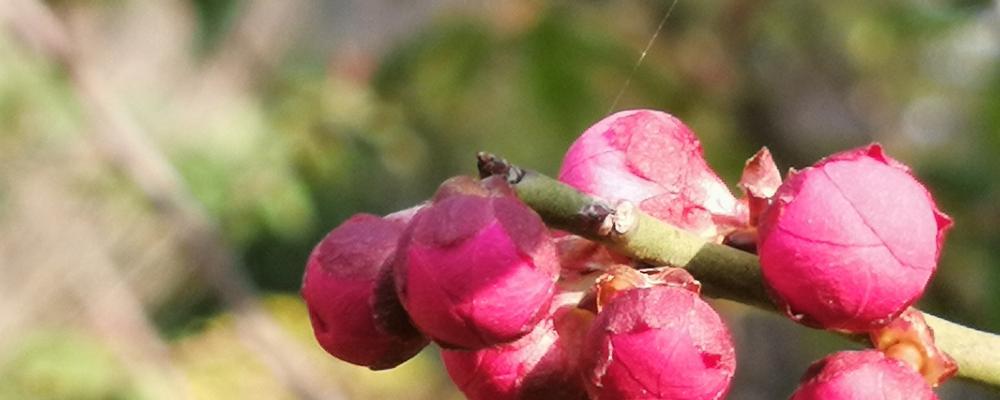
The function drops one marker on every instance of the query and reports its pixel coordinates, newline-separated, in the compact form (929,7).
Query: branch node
(624,217)
(725,271)
(490,164)
(608,221)
(599,217)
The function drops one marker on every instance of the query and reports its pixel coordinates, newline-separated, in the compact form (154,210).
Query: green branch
(724,272)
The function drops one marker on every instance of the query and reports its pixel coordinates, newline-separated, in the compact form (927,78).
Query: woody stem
(724,272)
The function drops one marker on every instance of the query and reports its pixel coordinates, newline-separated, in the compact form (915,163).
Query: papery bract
(653,160)
(851,242)
(620,279)
(353,317)
(862,375)
(583,256)
(910,339)
(661,342)
(543,365)
(476,268)
(759,182)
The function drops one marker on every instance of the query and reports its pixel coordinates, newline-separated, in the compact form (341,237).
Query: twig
(724,272)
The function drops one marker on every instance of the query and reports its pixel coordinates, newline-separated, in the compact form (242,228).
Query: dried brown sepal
(744,239)
(583,256)
(677,277)
(908,338)
(621,278)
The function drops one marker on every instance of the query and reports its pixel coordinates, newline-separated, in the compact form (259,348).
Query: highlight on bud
(476,267)
(661,342)
(862,375)
(652,159)
(354,317)
(850,242)
(541,365)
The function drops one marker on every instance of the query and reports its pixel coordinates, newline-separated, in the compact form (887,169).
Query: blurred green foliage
(63,365)
(214,18)
(220,368)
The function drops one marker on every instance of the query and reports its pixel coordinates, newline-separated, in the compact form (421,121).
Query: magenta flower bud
(542,365)
(652,159)
(862,375)
(662,342)
(348,290)
(850,242)
(476,269)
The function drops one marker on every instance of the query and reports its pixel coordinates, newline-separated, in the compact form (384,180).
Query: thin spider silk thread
(642,56)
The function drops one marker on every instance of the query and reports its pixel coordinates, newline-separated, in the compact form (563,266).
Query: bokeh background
(166,166)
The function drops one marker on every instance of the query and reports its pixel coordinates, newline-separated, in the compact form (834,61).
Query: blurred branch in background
(125,146)
(97,288)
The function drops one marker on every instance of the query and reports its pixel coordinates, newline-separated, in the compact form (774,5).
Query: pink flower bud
(661,342)
(653,160)
(542,365)
(347,287)
(476,269)
(862,375)
(851,242)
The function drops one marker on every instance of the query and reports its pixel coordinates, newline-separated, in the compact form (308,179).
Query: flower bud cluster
(477,272)
(524,312)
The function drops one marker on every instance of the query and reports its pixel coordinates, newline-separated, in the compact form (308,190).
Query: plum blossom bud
(661,342)
(476,268)
(354,317)
(542,365)
(862,375)
(405,215)
(653,160)
(850,242)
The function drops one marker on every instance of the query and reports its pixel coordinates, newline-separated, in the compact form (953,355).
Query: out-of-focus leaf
(63,365)
(221,368)
(214,18)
